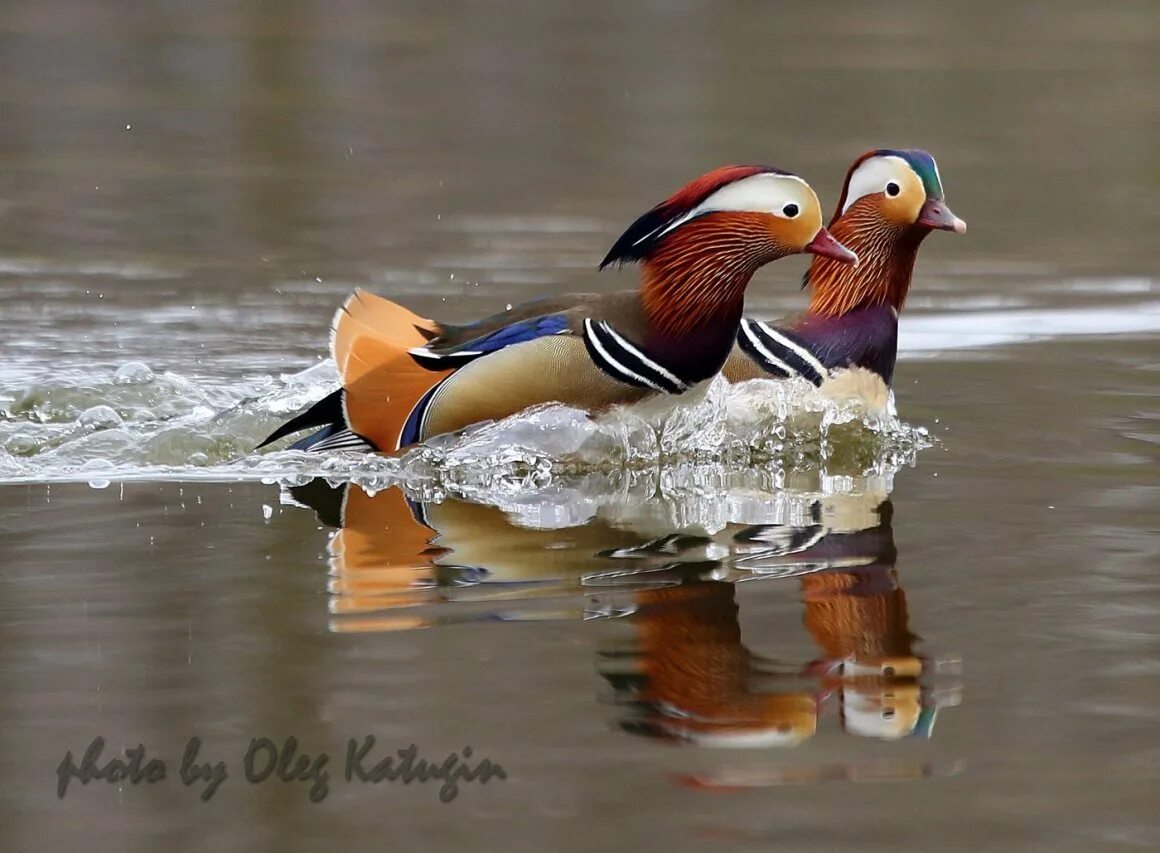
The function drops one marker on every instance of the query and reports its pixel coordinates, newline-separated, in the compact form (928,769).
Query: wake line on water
(133,424)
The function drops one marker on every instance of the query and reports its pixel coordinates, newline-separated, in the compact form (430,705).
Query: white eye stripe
(762,193)
(873,176)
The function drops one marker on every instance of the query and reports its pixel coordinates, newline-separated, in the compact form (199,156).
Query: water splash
(133,423)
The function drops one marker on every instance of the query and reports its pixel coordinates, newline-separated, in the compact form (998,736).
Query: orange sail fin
(371,342)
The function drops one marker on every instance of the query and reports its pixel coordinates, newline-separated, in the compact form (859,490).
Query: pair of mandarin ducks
(406,378)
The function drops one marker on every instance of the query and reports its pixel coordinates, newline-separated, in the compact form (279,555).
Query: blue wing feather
(517,333)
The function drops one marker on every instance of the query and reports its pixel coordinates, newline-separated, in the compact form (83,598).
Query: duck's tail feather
(326,413)
(334,438)
(382,384)
(365,314)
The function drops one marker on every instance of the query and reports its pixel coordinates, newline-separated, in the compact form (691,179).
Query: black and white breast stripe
(623,361)
(772,540)
(779,353)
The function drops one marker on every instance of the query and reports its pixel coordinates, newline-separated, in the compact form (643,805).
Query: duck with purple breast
(846,342)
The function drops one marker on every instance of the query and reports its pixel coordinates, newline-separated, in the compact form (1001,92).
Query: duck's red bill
(825,245)
(935,214)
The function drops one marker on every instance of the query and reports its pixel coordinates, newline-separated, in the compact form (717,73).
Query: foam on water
(133,424)
(94,424)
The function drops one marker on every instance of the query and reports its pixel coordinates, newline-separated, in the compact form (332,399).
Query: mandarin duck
(406,378)
(847,341)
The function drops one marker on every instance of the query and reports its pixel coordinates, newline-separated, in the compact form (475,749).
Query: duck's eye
(790,210)
(892,189)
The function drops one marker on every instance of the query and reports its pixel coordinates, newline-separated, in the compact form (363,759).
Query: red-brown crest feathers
(697,276)
(642,236)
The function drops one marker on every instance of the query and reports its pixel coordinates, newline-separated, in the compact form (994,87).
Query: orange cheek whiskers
(886,254)
(699,275)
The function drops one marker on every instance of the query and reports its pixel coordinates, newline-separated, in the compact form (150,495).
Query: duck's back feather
(406,378)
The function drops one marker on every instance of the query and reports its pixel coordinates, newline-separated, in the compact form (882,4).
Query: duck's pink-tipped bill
(825,245)
(935,214)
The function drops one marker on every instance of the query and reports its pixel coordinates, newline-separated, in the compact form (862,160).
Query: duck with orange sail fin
(406,378)
(847,341)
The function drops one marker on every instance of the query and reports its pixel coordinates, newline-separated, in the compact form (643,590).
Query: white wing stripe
(590,333)
(644,358)
(766,354)
(423,352)
(796,348)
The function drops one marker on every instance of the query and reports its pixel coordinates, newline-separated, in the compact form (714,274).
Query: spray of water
(137,424)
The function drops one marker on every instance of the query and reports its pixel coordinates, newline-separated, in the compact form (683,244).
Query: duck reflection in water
(684,675)
(691,678)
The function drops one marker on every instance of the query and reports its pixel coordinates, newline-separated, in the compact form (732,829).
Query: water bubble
(133,373)
(98,465)
(22,445)
(99,417)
